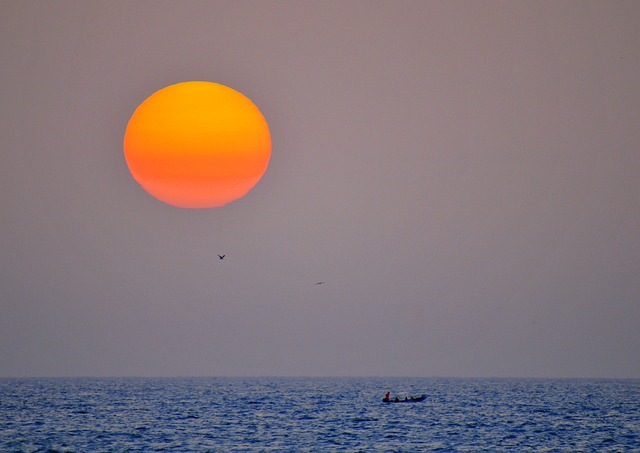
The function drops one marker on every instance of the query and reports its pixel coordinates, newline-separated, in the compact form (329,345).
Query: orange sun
(197,145)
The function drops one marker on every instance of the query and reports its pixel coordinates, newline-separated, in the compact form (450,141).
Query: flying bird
(221,256)
(320,283)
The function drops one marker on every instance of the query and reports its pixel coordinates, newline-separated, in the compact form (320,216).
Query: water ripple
(309,414)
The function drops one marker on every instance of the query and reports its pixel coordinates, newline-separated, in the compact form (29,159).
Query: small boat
(413,399)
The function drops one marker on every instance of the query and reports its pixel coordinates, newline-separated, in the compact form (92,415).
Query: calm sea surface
(317,414)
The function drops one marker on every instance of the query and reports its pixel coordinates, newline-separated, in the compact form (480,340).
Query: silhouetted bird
(221,256)
(320,283)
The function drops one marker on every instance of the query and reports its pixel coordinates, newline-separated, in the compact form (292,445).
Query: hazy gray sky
(464,176)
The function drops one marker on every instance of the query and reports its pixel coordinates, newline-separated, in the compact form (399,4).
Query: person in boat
(397,399)
(386,396)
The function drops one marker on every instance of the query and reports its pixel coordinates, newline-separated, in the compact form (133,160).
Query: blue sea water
(317,414)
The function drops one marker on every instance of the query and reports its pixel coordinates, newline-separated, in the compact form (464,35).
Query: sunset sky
(464,176)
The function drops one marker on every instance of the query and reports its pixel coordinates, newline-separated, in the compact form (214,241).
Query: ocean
(317,415)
